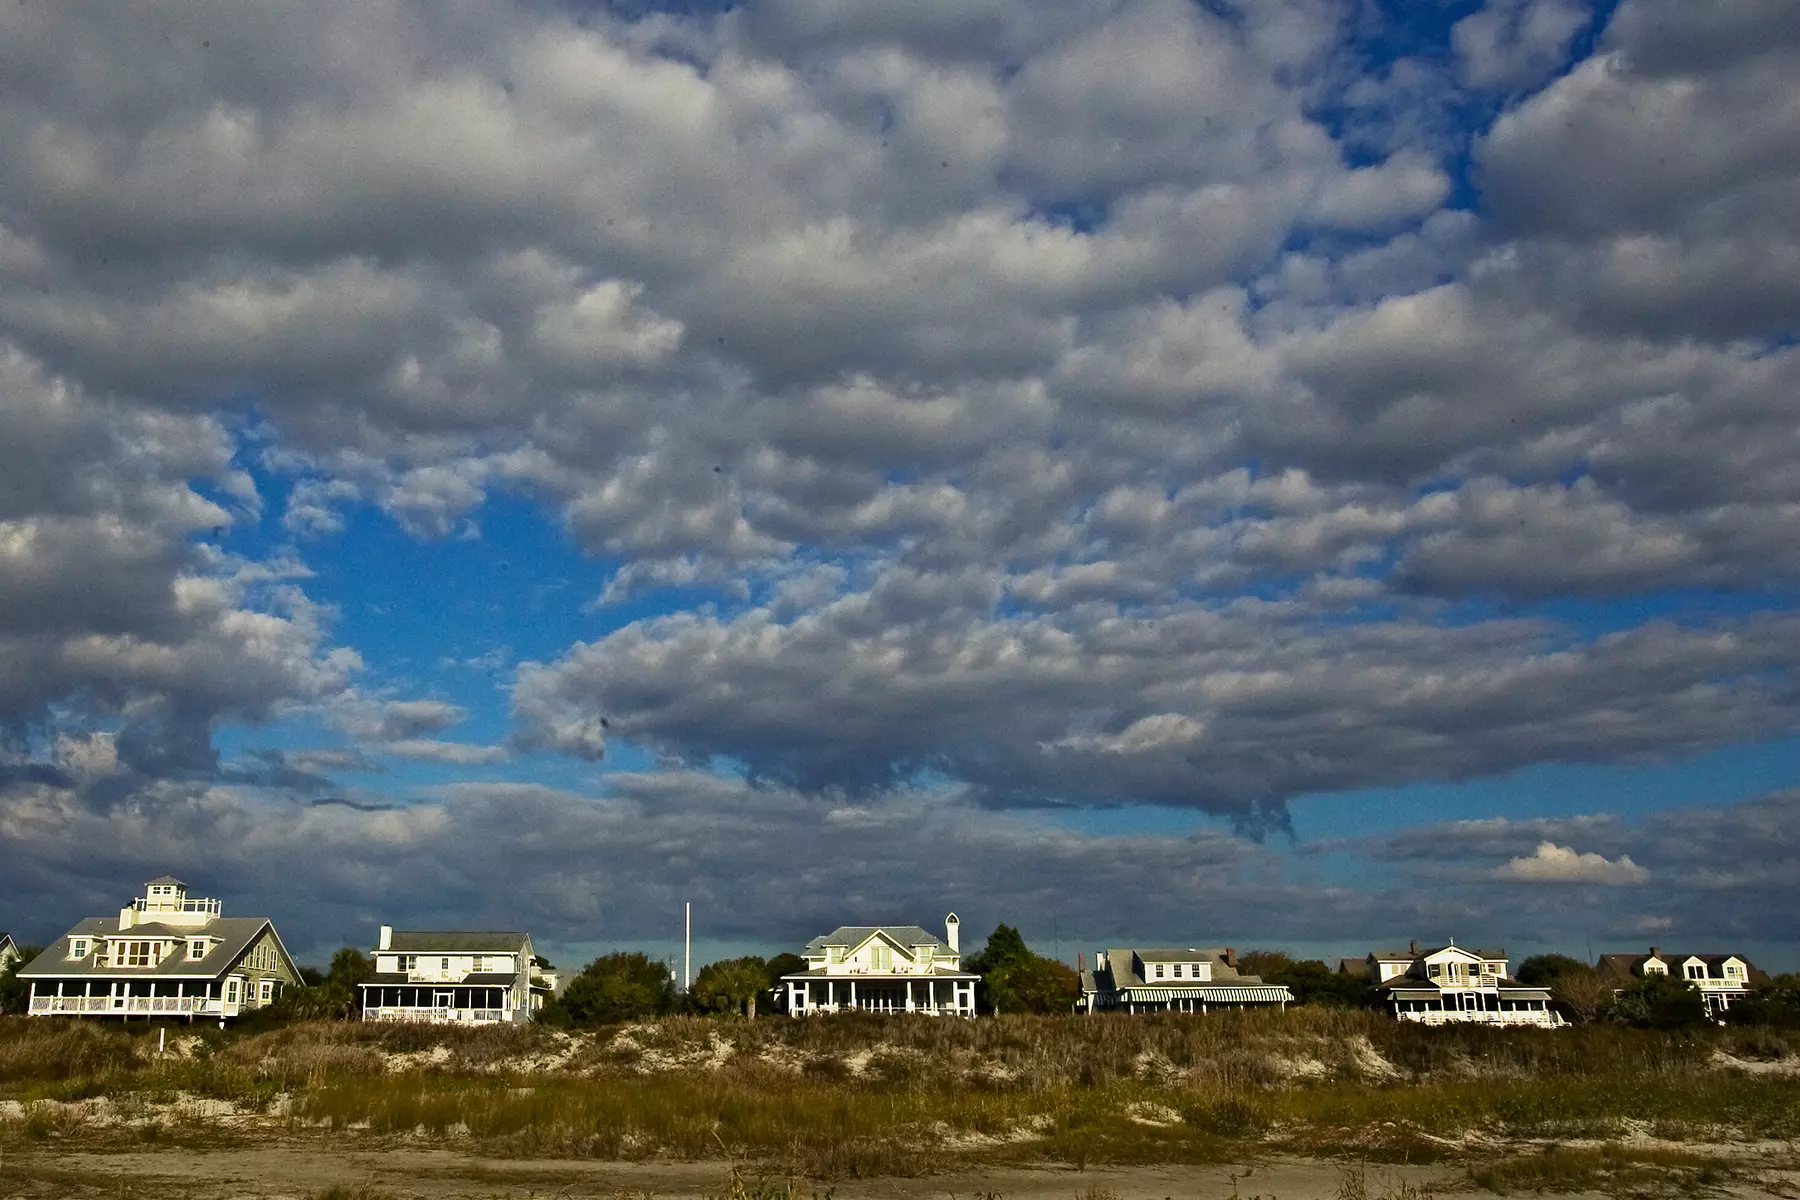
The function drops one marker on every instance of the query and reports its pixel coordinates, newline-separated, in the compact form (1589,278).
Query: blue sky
(1286,472)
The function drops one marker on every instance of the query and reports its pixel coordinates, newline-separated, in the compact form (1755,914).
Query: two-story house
(165,955)
(1173,979)
(883,968)
(1445,984)
(1719,978)
(454,977)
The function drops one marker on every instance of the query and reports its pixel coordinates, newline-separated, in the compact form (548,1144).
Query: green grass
(1614,1169)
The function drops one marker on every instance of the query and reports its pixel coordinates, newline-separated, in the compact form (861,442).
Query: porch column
(853,993)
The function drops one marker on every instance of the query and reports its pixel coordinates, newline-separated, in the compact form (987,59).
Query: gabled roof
(164,881)
(1120,971)
(1633,964)
(1167,954)
(448,941)
(855,935)
(1409,955)
(235,935)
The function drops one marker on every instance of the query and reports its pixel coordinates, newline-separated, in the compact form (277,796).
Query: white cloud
(1552,863)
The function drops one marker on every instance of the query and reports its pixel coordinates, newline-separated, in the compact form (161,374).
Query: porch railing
(436,1016)
(134,1006)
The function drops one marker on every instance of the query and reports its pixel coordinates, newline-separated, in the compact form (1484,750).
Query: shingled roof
(456,941)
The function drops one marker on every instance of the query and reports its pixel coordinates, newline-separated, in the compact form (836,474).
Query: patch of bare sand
(283,1173)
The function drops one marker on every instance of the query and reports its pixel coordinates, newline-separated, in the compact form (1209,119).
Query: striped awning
(1267,994)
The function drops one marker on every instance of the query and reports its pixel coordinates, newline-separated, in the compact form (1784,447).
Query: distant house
(1173,979)
(163,956)
(458,978)
(883,968)
(1719,978)
(1452,984)
(9,952)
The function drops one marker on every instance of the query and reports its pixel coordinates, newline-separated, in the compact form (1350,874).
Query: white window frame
(197,948)
(265,991)
(80,948)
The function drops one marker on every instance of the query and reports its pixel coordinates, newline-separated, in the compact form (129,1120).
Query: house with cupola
(165,955)
(1184,979)
(1720,979)
(449,977)
(882,968)
(1451,984)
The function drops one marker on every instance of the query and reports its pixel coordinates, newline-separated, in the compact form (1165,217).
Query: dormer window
(197,948)
(1696,971)
(1731,970)
(79,947)
(834,954)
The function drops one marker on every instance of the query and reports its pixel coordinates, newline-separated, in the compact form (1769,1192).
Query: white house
(164,956)
(455,977)
(9,952)
(1173,979)
(883,968)
(1446,984)
(1719,978)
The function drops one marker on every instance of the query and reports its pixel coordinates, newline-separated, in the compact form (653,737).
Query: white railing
(134,1006)
(437,1016)
(929,1010)
(209,907)
(1481,1017)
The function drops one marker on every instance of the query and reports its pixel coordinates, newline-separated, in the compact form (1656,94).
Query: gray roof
(856,935)
(165,879)
(456,941)
(234,934)
(1120,973)
(1632,964)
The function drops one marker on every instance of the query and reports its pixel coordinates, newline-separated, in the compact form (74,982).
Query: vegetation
(731,985)
(1014,980)
(15,993)
(1311,981)
(865,1094)
(1658,1002)
(613,988)
(1776,1005)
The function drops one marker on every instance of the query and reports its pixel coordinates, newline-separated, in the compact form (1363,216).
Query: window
(409,963)
(196,948)
(265,991)
(1655,968)
(834,954)
(443,966)
(1731,970)
(1433,970)
(1177,970)
(1696,971)
(881,958)
(1159,970)
(79,947)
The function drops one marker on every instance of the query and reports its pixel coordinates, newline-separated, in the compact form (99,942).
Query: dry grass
(1612,1169)
(858,1096)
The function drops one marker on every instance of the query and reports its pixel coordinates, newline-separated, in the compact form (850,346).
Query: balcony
(209,908)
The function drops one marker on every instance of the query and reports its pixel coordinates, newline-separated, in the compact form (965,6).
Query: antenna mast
(687,947)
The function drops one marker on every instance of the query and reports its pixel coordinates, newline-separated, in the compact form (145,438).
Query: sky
(1273,473)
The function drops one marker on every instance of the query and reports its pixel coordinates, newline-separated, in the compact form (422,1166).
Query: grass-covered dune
(867,1095)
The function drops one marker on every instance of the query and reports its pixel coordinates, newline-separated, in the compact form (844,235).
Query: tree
(331,995)
(730,985)
(1013,979)
(15,993)
(614,987)
(1311,981)
(1659,1002)
(1775,1004)
(1542,970)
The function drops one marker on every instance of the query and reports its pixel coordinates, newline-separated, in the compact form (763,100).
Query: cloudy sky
(1271,472)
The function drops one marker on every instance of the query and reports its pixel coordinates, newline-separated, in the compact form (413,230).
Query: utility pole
(687,948)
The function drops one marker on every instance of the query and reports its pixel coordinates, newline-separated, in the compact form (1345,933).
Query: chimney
(953,933)
(1412,948)
(125,916)
(387,938)
(1655,953)
(1231,958)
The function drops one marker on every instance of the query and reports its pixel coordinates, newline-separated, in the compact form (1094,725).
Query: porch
(952,996)
(135,998)
(437,1006)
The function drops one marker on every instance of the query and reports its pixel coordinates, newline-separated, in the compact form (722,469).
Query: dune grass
(860,1096)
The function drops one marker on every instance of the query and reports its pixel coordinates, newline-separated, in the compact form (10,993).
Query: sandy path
(297,1173)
